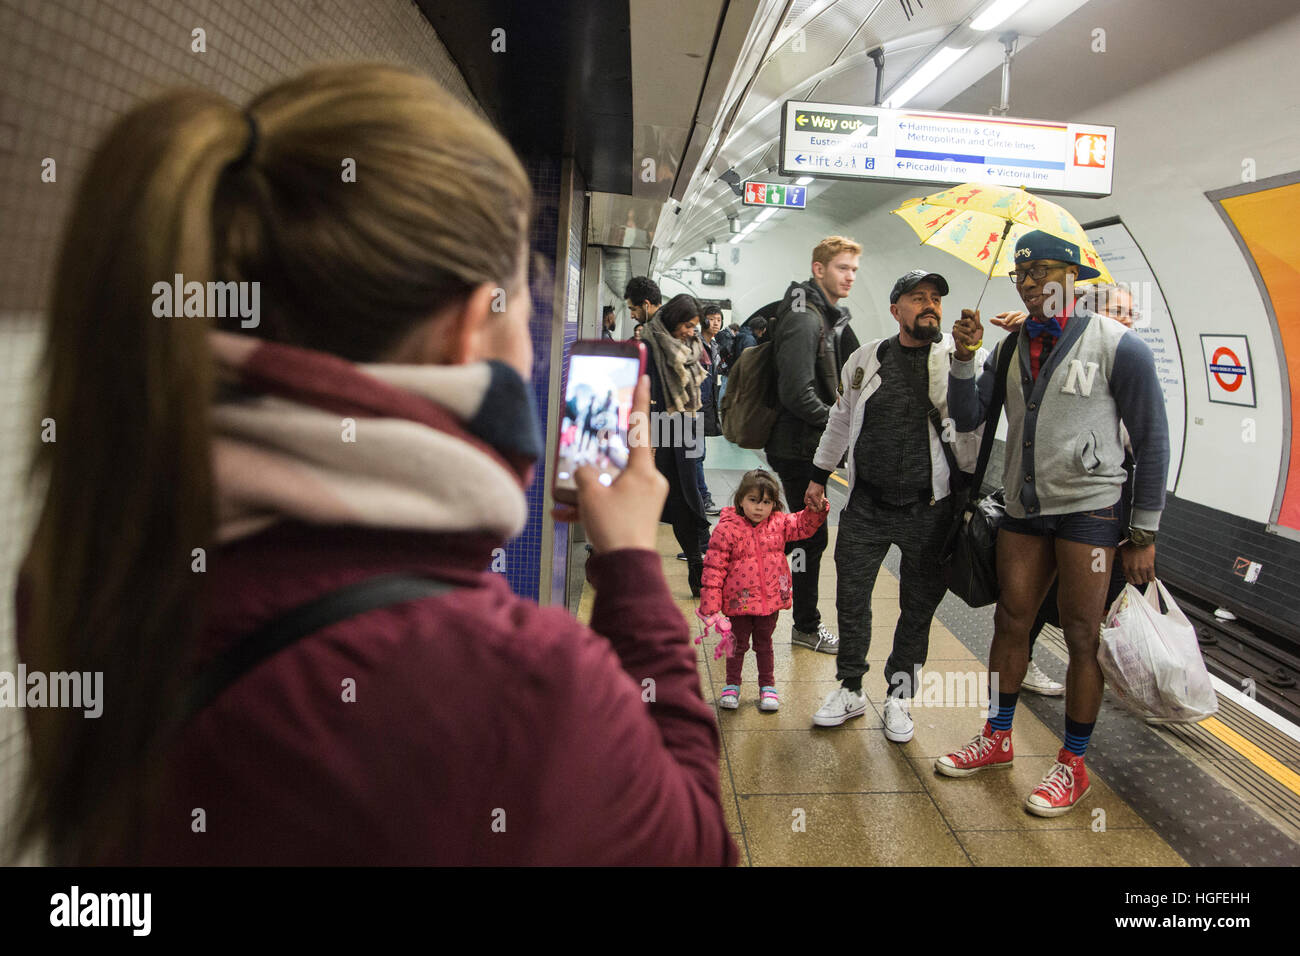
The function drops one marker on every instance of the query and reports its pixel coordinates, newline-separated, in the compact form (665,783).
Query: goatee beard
(926,333)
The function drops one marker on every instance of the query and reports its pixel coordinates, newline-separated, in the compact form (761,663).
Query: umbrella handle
(1001,243)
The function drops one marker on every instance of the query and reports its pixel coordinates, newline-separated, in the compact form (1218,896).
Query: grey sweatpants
(866,531)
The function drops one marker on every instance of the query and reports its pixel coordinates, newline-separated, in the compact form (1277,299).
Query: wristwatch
(1141,538)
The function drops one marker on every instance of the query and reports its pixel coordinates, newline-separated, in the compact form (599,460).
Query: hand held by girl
(747,578)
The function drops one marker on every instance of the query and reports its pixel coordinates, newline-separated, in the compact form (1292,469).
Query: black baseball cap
(914,278)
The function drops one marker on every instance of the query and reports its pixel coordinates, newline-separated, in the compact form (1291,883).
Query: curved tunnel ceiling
(1055,74)
(820,52)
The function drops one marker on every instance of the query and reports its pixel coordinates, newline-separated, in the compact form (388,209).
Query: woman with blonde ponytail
(288,356)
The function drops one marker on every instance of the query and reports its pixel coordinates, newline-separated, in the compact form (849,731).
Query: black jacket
(709,388)
(810,348)
(673,462)
(744,339)
(724,340)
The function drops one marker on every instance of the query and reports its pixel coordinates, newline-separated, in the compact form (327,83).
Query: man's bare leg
(1085,577)
(1026,567)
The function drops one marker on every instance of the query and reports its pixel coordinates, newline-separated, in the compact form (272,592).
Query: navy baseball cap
(1042,245)
(914,278)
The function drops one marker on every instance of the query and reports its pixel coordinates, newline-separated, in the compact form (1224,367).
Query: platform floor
(798,795)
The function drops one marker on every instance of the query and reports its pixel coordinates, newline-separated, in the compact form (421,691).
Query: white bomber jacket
(858,382)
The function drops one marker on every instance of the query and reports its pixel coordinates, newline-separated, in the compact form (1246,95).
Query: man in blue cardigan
(1081,377)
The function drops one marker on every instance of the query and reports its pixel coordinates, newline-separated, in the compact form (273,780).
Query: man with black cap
(1076,380)
(890,417)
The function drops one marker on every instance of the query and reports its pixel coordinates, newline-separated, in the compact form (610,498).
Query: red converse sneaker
(990,748)
(1065,785)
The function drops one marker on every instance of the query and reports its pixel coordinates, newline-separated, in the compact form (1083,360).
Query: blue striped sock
(1006,711)
(1076,736)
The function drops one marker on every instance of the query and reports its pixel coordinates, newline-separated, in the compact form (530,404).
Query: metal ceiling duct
(618,269)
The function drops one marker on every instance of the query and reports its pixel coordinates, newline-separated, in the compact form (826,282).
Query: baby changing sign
(1228,372)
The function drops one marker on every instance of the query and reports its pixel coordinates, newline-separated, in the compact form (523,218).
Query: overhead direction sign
(775,194)
(924,146)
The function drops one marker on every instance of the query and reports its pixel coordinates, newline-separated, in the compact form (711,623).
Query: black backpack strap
(923,396)
(1006,353)
(298,622)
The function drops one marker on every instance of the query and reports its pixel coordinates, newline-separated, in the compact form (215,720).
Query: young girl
(747,579)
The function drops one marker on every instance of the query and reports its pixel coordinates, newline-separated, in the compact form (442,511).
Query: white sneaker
(898,722)
(841,705)
(1036,682)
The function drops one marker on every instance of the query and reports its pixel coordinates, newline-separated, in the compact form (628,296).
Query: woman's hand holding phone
(626,513)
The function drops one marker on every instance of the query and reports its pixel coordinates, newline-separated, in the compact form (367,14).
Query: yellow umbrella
(973,222)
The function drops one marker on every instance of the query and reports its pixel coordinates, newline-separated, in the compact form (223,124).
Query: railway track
(1265,666)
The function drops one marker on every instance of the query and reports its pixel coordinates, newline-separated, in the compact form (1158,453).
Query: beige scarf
(320,440)
(679,366)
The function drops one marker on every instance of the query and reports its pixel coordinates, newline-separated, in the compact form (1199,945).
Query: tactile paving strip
(1274,795)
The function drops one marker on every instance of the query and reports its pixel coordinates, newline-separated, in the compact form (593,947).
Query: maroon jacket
(485,730)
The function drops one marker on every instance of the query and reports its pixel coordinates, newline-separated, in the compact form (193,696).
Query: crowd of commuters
(387,713)
(1088,396)
(1081,504)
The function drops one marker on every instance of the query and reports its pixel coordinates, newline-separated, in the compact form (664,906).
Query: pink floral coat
(745,569)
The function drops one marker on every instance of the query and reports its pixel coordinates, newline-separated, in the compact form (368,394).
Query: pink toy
(720,623)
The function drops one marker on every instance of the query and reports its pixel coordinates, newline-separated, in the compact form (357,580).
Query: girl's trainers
(730,698)
(768,699)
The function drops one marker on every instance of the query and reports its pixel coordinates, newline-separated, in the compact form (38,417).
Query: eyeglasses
(1037,272)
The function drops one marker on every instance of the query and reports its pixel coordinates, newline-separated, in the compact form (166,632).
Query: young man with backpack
(811,340)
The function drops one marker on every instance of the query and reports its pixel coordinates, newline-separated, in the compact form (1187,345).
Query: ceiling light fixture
(765,215)
(739,237)
(930,71)
(994,15)
(803,181)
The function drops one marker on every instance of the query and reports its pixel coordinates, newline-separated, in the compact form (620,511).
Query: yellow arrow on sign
(801,120)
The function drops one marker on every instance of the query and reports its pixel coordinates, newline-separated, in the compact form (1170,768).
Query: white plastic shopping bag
(1152,660)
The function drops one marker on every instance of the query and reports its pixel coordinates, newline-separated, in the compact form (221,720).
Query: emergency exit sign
(775,194)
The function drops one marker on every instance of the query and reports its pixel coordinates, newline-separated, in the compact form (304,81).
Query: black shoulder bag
(971,559)
(298,622)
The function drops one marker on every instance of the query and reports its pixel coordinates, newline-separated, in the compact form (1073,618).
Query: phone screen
(597,406)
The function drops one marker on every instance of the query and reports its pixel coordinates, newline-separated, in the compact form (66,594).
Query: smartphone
(602,378)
